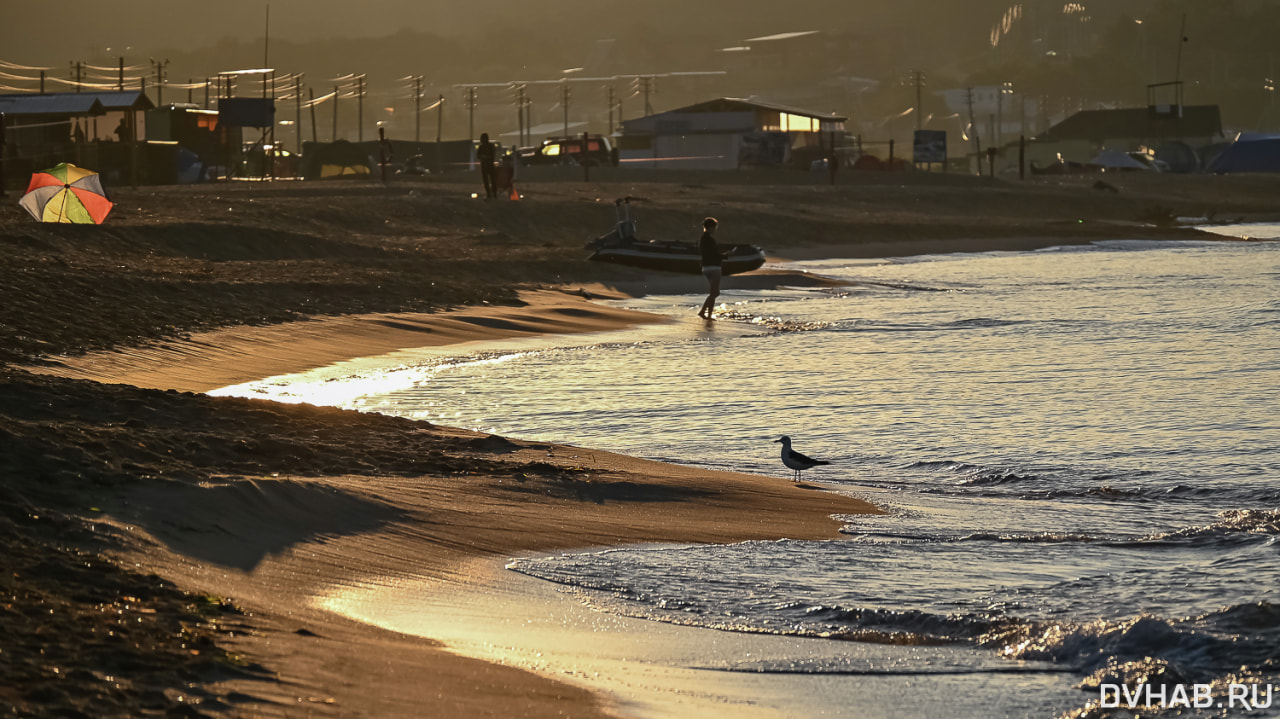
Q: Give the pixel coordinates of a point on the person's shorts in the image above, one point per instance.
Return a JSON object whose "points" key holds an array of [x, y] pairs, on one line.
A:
{"points": [[711, 272]]}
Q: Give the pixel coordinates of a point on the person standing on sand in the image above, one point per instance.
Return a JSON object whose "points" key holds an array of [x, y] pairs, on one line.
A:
{"points": [[485, 155], [711, 259], [385, 154]]}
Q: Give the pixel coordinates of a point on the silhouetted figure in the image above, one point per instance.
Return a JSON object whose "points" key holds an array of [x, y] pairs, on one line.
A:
{"points": [[485, 156], [384, 154], [505, 177], [711, 259]]}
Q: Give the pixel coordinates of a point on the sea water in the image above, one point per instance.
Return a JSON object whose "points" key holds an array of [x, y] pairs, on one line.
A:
{"points": [[1079, 449]]}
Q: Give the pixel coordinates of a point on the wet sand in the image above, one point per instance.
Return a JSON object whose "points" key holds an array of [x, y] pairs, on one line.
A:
{"points": [[188, 540]]}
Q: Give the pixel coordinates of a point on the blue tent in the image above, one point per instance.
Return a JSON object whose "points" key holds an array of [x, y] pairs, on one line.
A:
{"points": [[1249, 154]]}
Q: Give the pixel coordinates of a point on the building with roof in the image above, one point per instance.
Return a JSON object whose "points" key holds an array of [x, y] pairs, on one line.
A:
{"points": [[43, 129], [726, 134], [1084, 135], [67, 110]]}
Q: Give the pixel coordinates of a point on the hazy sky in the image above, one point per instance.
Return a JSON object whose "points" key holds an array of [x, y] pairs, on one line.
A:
{"points": [[34, 33], [37, 33]]}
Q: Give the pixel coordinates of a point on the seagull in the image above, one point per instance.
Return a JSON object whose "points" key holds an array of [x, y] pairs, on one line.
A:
{"points": [[796, 461]]}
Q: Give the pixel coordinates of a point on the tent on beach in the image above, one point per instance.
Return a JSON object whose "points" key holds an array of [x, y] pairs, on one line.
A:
{"points": [[1249, 153], [1116, 160]]}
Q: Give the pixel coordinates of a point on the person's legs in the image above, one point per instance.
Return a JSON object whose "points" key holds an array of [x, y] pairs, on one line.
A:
{"points": [[713, 291], [486, 174]]}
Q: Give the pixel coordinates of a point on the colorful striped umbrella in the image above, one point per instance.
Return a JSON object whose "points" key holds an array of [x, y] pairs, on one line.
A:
{"points": [[66, 193]]}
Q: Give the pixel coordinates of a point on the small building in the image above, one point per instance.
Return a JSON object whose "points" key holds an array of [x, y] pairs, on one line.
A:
{"points": [[726, 134], [43, 129], [1084, 135], [67, 115]]}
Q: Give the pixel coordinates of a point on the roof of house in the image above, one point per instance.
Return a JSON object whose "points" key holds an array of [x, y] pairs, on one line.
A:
{"points": [[738, 104], [68, 104], [725, 114], [1138, 123]]}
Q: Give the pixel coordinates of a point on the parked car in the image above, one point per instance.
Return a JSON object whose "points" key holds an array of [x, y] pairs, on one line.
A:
{"points": [[569, 151], [259, 159]]}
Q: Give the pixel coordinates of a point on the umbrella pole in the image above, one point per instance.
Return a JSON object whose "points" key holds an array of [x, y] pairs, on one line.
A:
{"points": [[62, 211]]}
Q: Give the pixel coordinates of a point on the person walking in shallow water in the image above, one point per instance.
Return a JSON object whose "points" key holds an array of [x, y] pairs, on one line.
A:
{"points": [[711, 265]]}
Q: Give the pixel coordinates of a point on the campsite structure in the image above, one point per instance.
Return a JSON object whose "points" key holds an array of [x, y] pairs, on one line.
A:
{"points": [[1176, 134]]}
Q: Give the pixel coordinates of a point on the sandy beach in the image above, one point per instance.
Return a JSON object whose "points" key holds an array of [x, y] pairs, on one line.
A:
{"points": [[171, 553]]}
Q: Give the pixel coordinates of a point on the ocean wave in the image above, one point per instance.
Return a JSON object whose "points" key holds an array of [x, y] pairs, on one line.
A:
{"points": [[1232, 522], [905, 286], [1032, 538], [1244, 618], [994, 478], [946, 465], [973, 475], [776, 324], [982, 323], [1149, 649], [1193, 649], [1104, 491], [920, 626], [1091, 646]]}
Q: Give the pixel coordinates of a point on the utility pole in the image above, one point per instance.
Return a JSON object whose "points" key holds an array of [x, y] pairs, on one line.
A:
{"points": [[609, 101], [334, 136], [471, 113], [1182, 38], [564, 105], [973, 129], [528, 120], [297, 115], [159, 66], [917, 77], [1006, 88], [417, 109], [439, 129], [311, 102], [520, 114], [360, 114], [646, 87]]}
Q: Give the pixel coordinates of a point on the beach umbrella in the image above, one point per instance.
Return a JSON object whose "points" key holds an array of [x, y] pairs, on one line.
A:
{"points": [[66, 193]]}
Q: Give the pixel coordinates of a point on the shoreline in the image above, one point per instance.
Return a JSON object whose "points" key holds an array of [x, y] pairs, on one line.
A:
{"points": [[206, 361], [633, 498], [652, 669], [433, 536]]}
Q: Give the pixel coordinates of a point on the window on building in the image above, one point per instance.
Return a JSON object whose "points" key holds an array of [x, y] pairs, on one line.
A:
{"points": [[788, 122]]}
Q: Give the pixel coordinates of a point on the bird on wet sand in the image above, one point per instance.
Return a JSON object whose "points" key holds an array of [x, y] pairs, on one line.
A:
{"points": [[796, 461]]}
